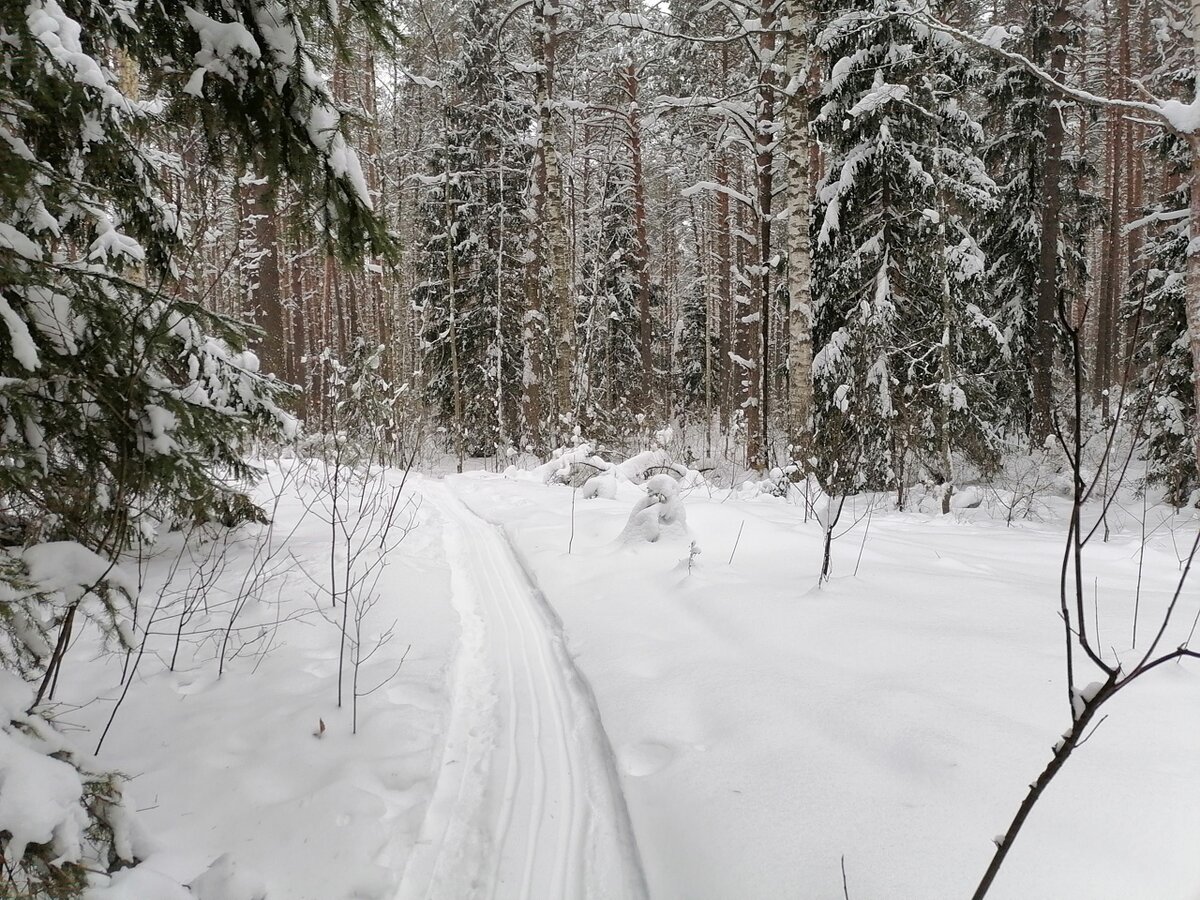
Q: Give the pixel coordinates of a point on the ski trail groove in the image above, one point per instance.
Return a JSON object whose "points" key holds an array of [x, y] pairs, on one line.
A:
{"points": [[527, 802]]}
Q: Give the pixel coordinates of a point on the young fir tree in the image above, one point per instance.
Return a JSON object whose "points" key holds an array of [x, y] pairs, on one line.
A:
{"points": [[1154, 307], [123, 406], [1018, 110], [471, 293], [609, 313], [901, 326]]}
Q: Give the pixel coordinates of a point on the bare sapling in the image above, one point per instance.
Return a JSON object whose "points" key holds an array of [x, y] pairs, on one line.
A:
{"points": [[1112, 672], [369, 514], [363, 647]]}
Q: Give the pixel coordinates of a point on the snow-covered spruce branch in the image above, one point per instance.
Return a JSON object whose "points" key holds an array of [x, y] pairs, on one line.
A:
{"points": [[1174, 115]]}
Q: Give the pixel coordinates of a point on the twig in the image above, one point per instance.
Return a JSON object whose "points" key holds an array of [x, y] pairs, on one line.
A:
{"points": [[736, 541]]}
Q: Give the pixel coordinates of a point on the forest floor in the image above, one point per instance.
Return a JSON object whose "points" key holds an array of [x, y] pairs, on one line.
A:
{"points": [[580, 715]]}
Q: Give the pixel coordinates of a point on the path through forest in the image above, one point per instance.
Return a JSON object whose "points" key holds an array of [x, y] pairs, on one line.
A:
{"points": [[528, 803]]}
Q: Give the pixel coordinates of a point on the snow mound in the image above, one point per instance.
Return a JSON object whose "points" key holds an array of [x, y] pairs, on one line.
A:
{"points": [[580, 468], [225, 880], [660, 513]]}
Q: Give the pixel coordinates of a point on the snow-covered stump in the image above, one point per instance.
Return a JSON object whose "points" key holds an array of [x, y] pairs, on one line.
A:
{"points": [[658, 514]]}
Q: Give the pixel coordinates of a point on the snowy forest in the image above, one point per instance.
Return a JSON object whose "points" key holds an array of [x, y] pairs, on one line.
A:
{"points": [[567, 449]]}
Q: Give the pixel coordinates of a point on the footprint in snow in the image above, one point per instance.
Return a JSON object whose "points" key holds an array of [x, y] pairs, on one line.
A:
{"points": [[645, 758]]}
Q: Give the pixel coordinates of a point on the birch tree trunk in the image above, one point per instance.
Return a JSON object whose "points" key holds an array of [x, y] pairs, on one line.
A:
{"points": [[533, 322], [641, 251], [554, 224], [798, 152]]}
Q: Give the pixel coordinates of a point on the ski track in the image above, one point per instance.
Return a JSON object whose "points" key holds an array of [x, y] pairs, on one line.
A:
{"points": [[527, 802]]}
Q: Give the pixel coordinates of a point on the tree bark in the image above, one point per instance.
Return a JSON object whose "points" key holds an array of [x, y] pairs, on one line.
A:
{"points": [[266, 299], [757, 412], [725, 322], [1192, 302], [798, 152], [1042, 355], [554, 223], [641, 250]]}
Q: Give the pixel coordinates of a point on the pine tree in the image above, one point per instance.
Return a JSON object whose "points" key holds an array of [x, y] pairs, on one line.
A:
{"points": [[901, 327]]}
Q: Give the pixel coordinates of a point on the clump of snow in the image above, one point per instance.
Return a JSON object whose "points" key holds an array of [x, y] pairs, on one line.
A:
{"points": [[638, 467], [603, 485], [1081, 697], [39, 799], [72, 569], [51, 796], [564, 462], [659, 513], [226, 880], [137, 883], [24, 350]]}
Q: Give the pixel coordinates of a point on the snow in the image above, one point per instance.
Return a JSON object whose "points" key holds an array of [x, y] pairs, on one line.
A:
{"points": [[660, 513], [60, 35], [765, 728], [224, 880], [12, 239], [1183, 117], [225, 48], [228, 763], [880, 95], [586, 715], [24, 350], [72, 569], [521, 710], [39, 799]]}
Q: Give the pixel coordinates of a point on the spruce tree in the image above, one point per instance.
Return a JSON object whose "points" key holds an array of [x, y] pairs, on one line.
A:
{"points": [[901, 326], [1017, 104], [473, 221], [1154, 307], [609, 308], [125, 407]]}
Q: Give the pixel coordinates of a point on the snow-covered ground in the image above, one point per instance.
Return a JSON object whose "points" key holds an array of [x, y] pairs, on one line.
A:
{"points": [[766, 728], [583, 714], [231, 764]]}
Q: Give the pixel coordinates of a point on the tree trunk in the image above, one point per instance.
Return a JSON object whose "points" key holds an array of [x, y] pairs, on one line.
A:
{"points": [[452, 307], [1192, 300], [799, 215], [266, 299], [757, 413], [725, 322], [554, 224], [1042, 355], [533, 322], [641, 250]]}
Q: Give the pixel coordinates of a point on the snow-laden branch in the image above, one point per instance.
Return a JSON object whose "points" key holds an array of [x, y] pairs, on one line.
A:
{"points": [[717, 188], [1174, 115]]}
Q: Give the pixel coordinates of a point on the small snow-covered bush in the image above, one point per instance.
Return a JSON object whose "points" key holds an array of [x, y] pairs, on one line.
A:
{"points": [[60, 818], [660, 513]]}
